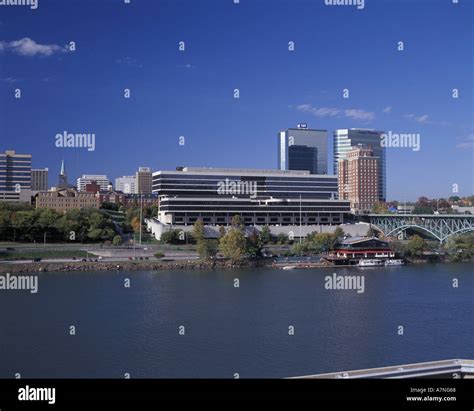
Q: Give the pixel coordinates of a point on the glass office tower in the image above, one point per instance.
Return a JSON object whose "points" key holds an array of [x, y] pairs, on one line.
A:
{"points": [[303, 148]]}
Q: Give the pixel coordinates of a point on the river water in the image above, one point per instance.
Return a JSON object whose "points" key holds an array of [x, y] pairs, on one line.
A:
{"points": [[228, 329]]}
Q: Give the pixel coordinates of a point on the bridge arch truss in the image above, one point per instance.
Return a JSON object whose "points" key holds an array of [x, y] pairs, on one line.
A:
{"points": [[439, 226]]}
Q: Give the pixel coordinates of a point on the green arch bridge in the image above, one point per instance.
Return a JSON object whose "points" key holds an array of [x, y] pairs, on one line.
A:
{"points": [[440, 226]]}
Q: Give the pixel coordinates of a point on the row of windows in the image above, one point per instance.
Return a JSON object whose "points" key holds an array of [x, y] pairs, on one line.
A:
{"points": [[254, 210], [305, 183]]}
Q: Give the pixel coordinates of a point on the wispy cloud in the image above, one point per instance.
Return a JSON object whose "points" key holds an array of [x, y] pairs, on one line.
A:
{"points": [[355, 114], [387, 109], [9, 80], [424, 119], [186, 66], [319, 112], [467, 143], [130, 62], [28, 47]]}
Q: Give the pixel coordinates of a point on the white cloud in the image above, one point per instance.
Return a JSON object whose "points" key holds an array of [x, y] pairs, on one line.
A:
{"points": [[357, 114], [29, 47], [319, 112], [419, 119], [425, 119], [467, 143], [129, 61], [304, 107], [9, 80], [387, 109], [326, 112], [186, 66]]}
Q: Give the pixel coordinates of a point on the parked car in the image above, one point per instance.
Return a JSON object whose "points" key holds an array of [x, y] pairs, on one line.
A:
{"points": [[37, 259]]}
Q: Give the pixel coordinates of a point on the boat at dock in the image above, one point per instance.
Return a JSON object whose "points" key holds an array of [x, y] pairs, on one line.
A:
{"points": [[394, 262], [369, 262]]}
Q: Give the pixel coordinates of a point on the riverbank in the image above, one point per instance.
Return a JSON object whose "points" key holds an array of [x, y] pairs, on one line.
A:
{"points": [[131, 266], [78, 266]]}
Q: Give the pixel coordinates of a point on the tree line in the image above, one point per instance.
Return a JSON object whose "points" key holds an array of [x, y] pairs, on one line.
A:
{"points": [[25, 224]]}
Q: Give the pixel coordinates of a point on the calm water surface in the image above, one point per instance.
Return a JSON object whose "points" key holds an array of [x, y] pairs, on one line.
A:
{"points": [[234, 330]]}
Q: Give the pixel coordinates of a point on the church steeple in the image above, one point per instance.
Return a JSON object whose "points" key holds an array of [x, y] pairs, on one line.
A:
{"points": [[63, 177]]}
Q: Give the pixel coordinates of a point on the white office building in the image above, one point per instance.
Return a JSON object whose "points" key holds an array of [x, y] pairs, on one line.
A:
{"points": [[126, 184], [100, 179]]}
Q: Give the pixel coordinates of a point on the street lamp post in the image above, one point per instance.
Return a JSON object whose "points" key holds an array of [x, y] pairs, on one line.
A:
{"points": [[141, 217]]}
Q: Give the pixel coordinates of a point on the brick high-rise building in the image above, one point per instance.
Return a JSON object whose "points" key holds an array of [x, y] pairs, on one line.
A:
{"points": [[358, 178], [345, 139], [144, 180]]}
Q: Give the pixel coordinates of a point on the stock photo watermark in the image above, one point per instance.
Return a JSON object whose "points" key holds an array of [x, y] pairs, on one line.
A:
{"points": [[19, 282], [79, 140], [360, 4], [345, 282], [231, 187], [33, 4], [402, 140]]}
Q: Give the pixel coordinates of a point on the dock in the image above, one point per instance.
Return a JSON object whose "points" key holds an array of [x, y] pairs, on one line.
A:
{"points": [[452, 369]]}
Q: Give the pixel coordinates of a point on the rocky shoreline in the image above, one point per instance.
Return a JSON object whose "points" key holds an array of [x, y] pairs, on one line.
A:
{"points": [[77, 266], [131, 266]]}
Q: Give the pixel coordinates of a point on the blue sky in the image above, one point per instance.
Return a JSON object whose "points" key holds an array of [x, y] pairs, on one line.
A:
{"points": [[244, 46]]}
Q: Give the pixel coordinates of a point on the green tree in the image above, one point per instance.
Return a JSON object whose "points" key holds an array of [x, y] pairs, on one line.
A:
{"points": [[207, 248], [423, 210], [198, 230], [415, 245], [460, 247], [24, 224], [73, 225], [117, 240], [172, 237], [101, 228], [222, 231], [237, 222], [281, 238], [380, 208], [254, 245], [233, 244], [5, 225], [265, 234], [338, 233]]}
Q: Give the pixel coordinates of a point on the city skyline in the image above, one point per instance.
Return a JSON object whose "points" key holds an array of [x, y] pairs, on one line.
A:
{"points": [[190, 93]]}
